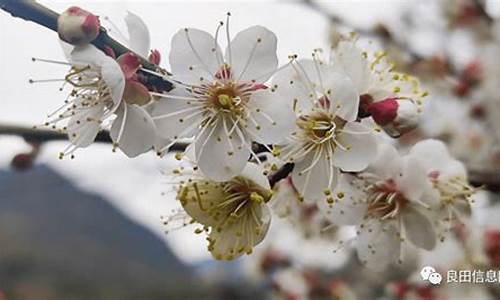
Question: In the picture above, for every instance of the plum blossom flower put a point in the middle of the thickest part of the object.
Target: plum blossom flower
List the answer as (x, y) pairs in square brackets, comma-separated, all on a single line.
[(132, 130), (222, 100), (389, 205), (234, 213), (449, 179), (394, 100), (102, 87), (97, 88), (327, 138)]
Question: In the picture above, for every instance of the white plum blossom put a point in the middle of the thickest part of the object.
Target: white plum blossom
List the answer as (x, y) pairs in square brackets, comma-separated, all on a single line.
[(327, 138), (133, 130), (389, 205), (394, 100), (97, 84), (449, 179), (222, 100), (103, 87), (234, 213)]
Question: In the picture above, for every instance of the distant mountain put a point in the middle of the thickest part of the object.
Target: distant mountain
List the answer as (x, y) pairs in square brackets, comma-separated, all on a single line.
[(58, 242)]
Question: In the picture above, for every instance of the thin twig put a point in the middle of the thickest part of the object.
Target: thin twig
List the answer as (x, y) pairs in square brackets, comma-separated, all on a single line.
[(48, 135), (35, 12)]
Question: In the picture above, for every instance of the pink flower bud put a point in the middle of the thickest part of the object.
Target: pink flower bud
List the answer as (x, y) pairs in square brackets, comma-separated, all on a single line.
[(395, 116), (22, 161), (77, 26), (385, 111), (155, 57), (492, 246)]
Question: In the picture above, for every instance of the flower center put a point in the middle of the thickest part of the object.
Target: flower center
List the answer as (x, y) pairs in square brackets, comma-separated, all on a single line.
[(320, 127), (453, 190), (88, 86), (385, 201), (227, 98)]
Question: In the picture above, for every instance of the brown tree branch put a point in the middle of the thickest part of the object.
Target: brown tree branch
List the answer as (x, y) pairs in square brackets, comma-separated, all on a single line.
[(48, 135), (32, 11)]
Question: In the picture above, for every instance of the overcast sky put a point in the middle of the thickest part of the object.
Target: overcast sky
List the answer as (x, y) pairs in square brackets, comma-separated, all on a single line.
[(135, 185)]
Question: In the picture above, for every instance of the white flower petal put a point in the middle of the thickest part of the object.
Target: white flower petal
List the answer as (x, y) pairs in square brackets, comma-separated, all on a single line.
[(87, 55), (293, 87), (84, 125), (197, 205), (160, 143), (283, 198), (138, 33), (378, 245), (327, 81), (193, 55), (360, 148), (171, 115), (219, 156), (351, 60), (273, 115), (419, 229), (251, 59), (344, 97), (388, 163), (66, 49), (434, 155), (115, 80), (313, 183), (413, 182), (349, 209), (229, 243), (255, 173), (138, 130)]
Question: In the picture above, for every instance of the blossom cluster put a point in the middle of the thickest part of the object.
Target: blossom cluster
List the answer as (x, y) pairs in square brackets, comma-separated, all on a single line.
[(329, 118)]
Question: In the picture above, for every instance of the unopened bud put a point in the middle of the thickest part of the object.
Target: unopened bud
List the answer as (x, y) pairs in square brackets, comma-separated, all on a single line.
[(155, 57), (22, 161), (492, 246), (77, 26), (395, 116)]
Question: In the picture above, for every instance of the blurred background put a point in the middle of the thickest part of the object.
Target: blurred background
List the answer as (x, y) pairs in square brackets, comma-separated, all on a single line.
[(91, 228)]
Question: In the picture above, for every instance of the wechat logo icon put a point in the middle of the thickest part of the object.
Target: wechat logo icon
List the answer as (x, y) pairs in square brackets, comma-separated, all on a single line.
[(429, 274)]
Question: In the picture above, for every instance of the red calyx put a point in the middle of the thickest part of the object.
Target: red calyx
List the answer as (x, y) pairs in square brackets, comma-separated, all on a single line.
[(129, 63)]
